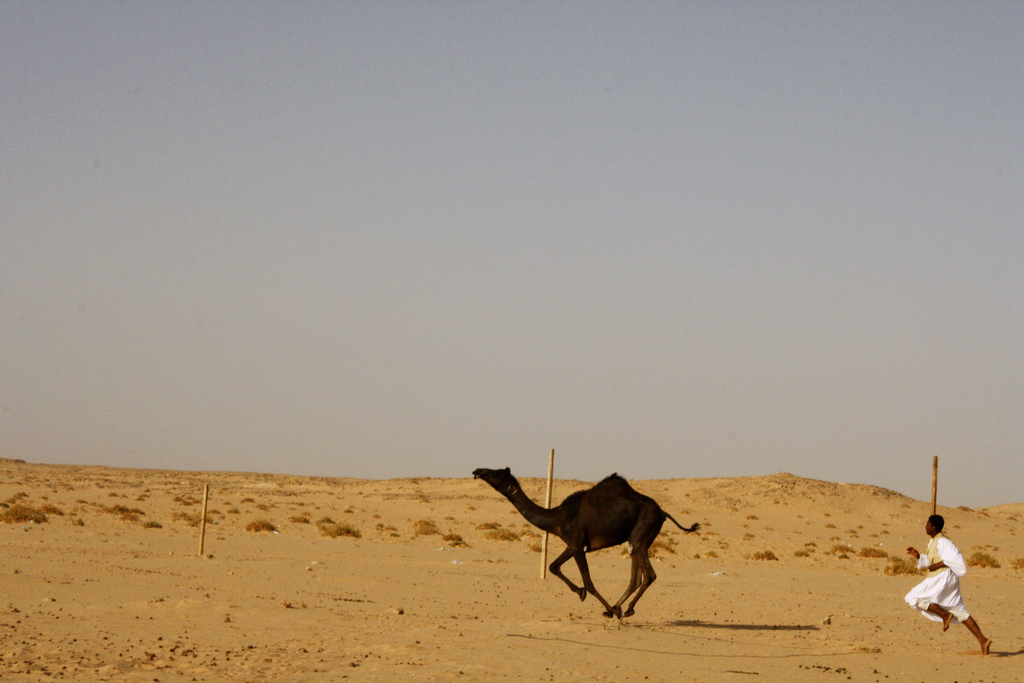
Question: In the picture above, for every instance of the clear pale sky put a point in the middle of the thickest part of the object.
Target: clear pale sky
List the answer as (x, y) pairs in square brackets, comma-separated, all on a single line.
[(381, 239)]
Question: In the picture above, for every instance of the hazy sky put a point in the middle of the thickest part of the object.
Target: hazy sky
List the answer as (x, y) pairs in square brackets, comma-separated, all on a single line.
[(380, 239)]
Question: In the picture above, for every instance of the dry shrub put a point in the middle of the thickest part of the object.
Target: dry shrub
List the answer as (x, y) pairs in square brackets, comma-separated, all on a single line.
[(501, 535), (260, 525), (869, 551), (336, 530), (488, 525), (126, 513), (840, 549), (982, 560), (899, 566), (21, 514), (801, 553), (425, 527), (299, 519), (152, 525), (658, 546), (1018, 564), (454, 540), (191, 520), (765, 555)]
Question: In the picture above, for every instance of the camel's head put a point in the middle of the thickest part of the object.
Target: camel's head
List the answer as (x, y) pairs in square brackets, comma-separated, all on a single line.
[(493, 477)]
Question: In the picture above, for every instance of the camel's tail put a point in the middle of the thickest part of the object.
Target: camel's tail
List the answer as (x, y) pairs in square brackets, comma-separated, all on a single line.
[(696, 525)]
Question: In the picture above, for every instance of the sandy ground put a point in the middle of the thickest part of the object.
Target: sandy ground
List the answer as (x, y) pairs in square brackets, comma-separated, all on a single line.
[(111, 585)]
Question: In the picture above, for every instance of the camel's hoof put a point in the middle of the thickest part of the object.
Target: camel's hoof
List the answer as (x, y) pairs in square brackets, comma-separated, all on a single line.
[(628, 613), (608, 614), (583, 594)]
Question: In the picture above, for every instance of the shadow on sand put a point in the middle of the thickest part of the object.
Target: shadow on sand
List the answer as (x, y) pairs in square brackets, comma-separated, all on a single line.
[(678, 628), (693, 623)]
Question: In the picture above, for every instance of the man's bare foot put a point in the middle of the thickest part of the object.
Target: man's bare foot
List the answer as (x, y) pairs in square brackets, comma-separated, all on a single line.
[(945, 621), (986, 645)]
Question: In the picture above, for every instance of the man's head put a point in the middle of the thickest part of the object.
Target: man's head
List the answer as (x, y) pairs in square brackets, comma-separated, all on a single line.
[(934, 524)]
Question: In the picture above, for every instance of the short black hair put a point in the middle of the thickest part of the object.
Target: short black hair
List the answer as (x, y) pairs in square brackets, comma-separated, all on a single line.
[(937, 522)]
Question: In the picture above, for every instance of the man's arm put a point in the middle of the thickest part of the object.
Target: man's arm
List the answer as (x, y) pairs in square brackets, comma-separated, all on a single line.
[(951, 557)]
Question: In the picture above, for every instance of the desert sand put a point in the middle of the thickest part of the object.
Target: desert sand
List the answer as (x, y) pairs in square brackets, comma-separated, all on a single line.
[(323, 579)]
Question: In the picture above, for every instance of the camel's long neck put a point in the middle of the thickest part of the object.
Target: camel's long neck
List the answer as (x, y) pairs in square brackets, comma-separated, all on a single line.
[(544, 519)]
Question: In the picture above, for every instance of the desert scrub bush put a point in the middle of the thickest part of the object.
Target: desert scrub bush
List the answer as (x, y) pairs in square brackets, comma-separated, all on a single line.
[(390, 529), (247, 500), (801, 553), (260, 525), (152, 525), (899, 566), (868, 551), (19, 513), (425, 527), (1018, 564), (840, 549), (126, 513), (502, 535), (191, 520), (982, 560), (765, 555), (488, 525), (299, 519), (336, 530), (454, 540), (659, 546)]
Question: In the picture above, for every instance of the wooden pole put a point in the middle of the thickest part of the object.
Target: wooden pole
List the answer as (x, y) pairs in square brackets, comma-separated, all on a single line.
[(935, 482), (202, 523), (547, 504)]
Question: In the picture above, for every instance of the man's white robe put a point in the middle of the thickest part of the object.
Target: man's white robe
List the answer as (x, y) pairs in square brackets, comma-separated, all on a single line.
[(942, 587)]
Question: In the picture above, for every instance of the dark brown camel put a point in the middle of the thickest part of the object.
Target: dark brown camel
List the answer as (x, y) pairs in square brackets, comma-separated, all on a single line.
[(606, 515)]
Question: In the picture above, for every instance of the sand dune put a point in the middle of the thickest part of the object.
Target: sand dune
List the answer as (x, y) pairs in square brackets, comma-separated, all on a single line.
[(438, 579)]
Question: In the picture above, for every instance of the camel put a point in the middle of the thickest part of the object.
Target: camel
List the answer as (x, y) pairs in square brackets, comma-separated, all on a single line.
[(608, 514)]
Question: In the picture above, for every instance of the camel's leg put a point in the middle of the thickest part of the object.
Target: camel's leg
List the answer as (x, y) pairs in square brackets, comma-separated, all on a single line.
[(649, 577), (635, 579), (556, 569), (581, 562), (648, 526)]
